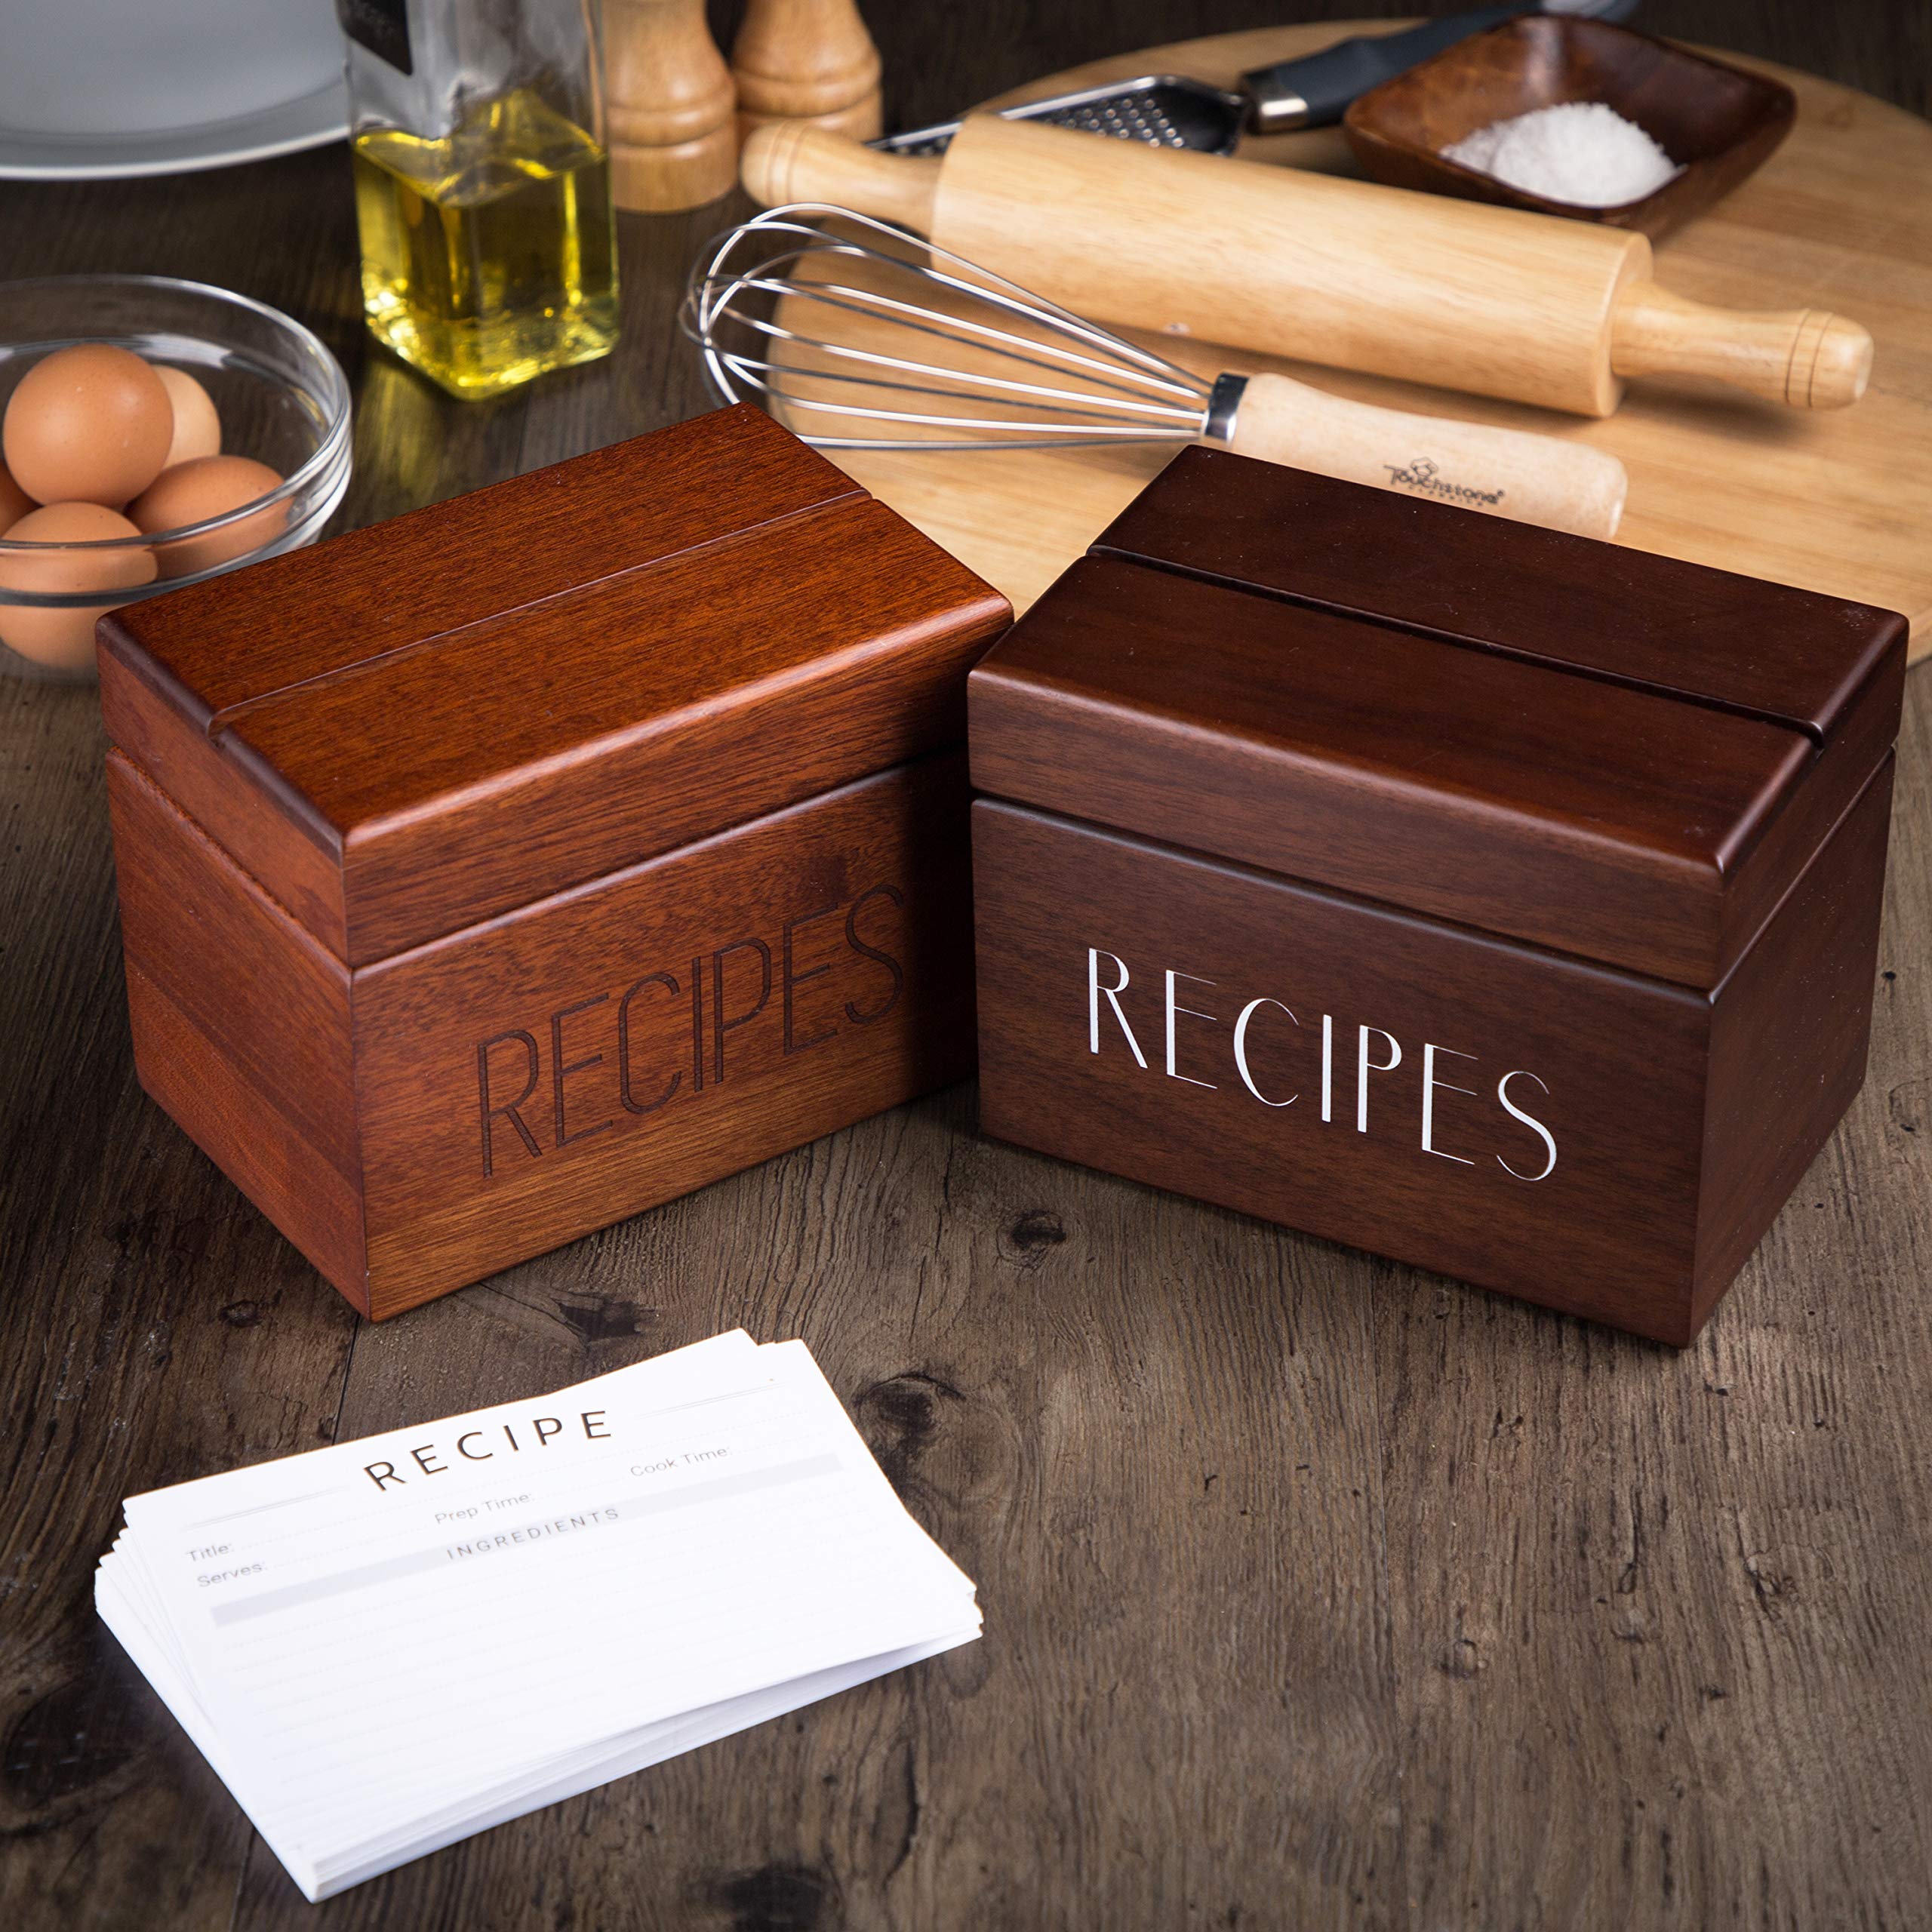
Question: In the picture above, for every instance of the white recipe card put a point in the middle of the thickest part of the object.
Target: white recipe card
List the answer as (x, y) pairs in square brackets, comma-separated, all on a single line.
[(385, 1645)]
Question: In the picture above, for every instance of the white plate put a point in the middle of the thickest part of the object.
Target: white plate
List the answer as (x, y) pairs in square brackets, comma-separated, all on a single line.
[(92, 89)]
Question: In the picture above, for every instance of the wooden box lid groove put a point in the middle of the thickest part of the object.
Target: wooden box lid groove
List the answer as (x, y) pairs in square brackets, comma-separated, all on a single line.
[(1617, 756), (431, 722)]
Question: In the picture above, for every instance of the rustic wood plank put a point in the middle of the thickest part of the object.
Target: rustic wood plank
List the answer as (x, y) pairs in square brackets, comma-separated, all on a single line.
[(1394, 1687), (1661, 1631), (1115, 1520), (158, 1328)]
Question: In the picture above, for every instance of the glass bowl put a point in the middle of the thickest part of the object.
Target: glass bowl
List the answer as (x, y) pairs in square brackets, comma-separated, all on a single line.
[(282, 398)]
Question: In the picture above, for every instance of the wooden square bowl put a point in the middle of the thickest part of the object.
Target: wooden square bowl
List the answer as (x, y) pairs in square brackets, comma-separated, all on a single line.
[(1718, 121)]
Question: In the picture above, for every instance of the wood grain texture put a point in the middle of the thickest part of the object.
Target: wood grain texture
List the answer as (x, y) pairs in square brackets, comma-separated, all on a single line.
[(1510, 473), (148, 716), (1666, 1128), (1289, 1118), (1836, 215), (555, 787), (609, 1048), (1720, 827), (808, 60), (1654, 622), (1626, 785), (1511, 796), (1286, 263), (645, 712), (1789, 1032), (1291, 262), (232, 643), (1528, 478), (747, 631), (672, 107), (242, 1027), (1319, 1591)]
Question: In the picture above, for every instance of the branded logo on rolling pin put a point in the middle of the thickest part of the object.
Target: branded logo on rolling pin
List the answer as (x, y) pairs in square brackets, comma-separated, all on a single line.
[(660, 1038), (1219, 1045), (1421, 475)]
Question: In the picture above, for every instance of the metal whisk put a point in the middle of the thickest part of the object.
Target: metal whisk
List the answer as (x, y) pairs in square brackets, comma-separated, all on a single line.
[(850, 303), (862, 336)]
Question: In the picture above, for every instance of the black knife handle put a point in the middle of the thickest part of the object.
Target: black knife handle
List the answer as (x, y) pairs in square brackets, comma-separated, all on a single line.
[(1315, 91)]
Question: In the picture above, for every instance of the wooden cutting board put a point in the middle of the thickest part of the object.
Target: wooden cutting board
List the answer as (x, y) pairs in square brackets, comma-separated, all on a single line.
[(1841, 501)]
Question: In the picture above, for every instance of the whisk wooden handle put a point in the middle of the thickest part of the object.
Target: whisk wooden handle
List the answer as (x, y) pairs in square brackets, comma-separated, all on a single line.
[(1808, 357), (1545, 480)]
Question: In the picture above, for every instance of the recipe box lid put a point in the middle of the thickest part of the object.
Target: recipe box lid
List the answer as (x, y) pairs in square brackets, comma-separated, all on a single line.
[(428, 721), (1618, 755)]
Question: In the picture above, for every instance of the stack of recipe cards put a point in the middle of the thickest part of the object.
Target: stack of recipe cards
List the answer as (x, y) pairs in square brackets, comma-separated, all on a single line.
[(384, 1646)]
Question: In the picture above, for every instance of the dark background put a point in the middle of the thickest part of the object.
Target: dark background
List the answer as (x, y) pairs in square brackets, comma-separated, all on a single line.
[(1319, 1592), (939, 56)]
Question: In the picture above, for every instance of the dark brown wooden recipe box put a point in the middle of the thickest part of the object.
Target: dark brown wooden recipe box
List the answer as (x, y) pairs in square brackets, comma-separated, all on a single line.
[(491, 874), (1500, 901)]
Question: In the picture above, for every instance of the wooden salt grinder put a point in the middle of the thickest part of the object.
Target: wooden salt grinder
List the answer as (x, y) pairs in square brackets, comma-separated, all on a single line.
[(807, 60), (674, 138)]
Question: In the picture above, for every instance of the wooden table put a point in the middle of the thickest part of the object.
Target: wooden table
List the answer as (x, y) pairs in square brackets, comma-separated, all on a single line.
[(1317, 1592)]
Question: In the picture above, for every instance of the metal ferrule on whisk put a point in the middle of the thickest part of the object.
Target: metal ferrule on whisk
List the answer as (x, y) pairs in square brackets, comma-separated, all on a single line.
[(1223, 400)]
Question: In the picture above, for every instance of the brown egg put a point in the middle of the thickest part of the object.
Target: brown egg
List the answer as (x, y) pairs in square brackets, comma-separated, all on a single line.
[(64, 638), (14, 502), (193, 492), (87, 425), (197, 427)]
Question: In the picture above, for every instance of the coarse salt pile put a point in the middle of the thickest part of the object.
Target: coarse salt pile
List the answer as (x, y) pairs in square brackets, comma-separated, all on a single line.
[(1581, 152)]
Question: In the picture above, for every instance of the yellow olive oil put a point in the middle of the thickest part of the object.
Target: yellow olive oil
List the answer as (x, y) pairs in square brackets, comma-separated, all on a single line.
[(488, 256)]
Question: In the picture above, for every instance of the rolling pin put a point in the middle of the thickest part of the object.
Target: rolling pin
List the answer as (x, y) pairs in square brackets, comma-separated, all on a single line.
[(1530, 307)]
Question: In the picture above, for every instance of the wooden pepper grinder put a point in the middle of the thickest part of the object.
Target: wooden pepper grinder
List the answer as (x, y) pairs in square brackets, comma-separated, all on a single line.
[(807, 60), (674, 138)]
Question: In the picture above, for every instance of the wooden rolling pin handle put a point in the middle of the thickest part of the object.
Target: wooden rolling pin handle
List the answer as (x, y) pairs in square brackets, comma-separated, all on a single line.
[(793, 161), (1808, 358), (1545, 480)]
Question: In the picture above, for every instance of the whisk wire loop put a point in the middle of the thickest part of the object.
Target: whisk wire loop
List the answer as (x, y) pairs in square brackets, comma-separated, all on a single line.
[(1047, 396), (963, 330), (757, 376), (1157, 373), (1127, 394)]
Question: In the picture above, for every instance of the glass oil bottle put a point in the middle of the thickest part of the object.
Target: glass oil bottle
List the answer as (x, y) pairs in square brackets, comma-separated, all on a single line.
[(482, 185)]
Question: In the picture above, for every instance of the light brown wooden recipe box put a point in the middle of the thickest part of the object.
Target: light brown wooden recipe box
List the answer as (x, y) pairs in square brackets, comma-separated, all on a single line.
[(1495, 900), (493, 873)]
